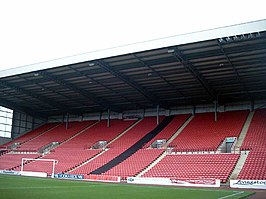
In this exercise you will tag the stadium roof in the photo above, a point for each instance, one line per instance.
(226, 65)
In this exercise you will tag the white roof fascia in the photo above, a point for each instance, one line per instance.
(244, 28)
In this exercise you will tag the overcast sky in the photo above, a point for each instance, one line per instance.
(34, 31)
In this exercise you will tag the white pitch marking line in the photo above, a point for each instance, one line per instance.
(232, 195)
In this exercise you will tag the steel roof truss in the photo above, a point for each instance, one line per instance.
(150, 97)
(83, 93)
(235, 70)
(187, 64)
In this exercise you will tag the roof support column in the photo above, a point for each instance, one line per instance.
(100, 116)
(67, 120)
(215, 111)
(108, 119)
(33, 123)
(158, 114)
(252, 106)
(193, 110)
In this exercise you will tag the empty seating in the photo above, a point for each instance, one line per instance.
(120, 145)
(31, 134)
(203, 133)
(12, 161)
(99, 132)
(135, 163)
(255, 141)
(254, 167)
(168, 131)
(97, 162)
(135, 134)
(67, 159)
(76, 151)
(195, 166)
(58, 134)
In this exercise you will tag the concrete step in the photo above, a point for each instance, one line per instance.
(244, 131)
(239, 165)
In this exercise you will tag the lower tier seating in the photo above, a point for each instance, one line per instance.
(195, 166)
(119, 145)
(13, 161)
(97, 162)
(255, 141)
(135, 163)
(254, 167)
(73, 152)
(67, 159)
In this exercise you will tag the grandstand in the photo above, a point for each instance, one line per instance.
(187, 107)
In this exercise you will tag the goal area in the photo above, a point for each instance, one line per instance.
(26, 165)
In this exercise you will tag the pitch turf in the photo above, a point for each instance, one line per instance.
(39, 188)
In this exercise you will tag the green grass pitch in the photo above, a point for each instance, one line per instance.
(18, 187)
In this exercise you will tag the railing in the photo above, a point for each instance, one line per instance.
(201, 151)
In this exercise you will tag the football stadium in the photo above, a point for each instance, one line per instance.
(177, 117)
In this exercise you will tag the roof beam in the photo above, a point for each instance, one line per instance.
(98, 82)
(190, 67)
(149, 96)
(159, 75)
(83, 93)
(71, 99)
(36, 96)
(235, 70)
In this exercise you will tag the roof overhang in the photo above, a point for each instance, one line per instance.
(244, 28)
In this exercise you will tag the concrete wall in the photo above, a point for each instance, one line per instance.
(23, 123)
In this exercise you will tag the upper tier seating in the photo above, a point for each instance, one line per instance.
(58, 134)
(99, 132)
(255, 141)
(203, 133)
(31, 134)
(135, 134)
(168, 131)
(195, 166)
